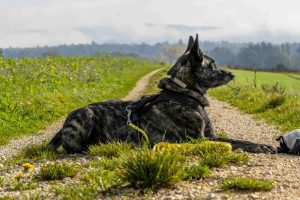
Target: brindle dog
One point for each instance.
(180, 114)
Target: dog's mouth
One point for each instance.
(231, 76)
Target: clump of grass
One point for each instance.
(109, 150)
(79, 191)
(196, 172)
(212, 154)
(223, 135)
(274, 102)
(246, 183)
(33, 152)
(1, 181)
(276, 88)
(21, 185)
(221, 159)
(152, 169)
(201, 148)
(100, 177)
(56, 171)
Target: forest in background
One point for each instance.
(260, 56)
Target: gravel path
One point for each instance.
(16, 145)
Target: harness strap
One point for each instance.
(139, 130)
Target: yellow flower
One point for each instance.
(28, 166)
(19, 176)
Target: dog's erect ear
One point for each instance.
(190, 44)
(195, 51)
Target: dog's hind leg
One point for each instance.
(247, 146)
(56, 141)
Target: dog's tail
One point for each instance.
(56, 141)
(247, 146)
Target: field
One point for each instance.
(273, 97)
(290, 81)
(36, 92)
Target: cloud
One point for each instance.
(52, 22)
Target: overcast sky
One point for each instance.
(25, 23)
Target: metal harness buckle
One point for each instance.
(128, 109)
(129, 123)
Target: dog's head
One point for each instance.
(198, 70)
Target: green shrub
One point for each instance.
(152, 169)
(274, 102)
(56, 171)
(246, 183)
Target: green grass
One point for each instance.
(152, 169)
(246, 183)
(36, 92)
(276, 103)
(56, 171)
(111, 149)
(19, 186)
(286, 80)
(33, 153)
(154, 80)
(196, 172)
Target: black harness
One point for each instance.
(136, 109)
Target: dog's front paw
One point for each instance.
(260, 148)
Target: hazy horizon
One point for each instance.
(54, 22)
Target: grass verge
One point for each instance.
(35, 92)
(273, 102)
(247, 183)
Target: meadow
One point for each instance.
(273, 97)
(35, 92)
(289, 81)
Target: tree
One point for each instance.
(1, 53)
(170, 53)
(222, 55)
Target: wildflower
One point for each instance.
(19, 176)
(28, 167)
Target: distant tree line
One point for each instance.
(259, 56)
(266, 56)
(142, 50)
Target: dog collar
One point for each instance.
(179, 82)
